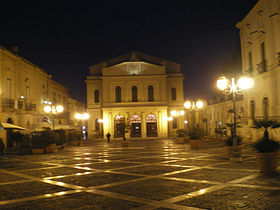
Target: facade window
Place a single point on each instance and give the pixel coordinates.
(118, 94)
(54, 98)
(150, 93)
(175, 123)
(263, 62)
(27, 92)
(59, 98)
(96, 96)
(252, 110)
(9, 88)
(265, 108)
(134, 94)
(173, 94)
(250, 70)
(263, 51)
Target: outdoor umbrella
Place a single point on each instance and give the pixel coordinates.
(10, 126)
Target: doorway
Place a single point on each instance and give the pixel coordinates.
(135, 128)
(118, 126)
(151, 122)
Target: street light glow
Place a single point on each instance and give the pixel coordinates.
(59, 108)
(170, 118)
(47, 109)
(173, 113)
(222, 83)
(78, 116)
(86, 116)
(187, 104)
(199, 104)
(245, 83)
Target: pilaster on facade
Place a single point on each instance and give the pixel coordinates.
(135, 90)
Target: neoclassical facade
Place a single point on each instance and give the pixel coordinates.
(260, 50)
(137, 89)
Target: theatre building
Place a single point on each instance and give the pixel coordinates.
(136, 89)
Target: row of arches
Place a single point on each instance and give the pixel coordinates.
(135, 126)
(134, 94)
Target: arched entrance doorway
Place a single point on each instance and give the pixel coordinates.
(151, 122)
(9, 133)
(118, 122)
(135, 126)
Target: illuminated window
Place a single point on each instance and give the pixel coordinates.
(118, 94)
(96, 96)
(134, 94)
(173, 93)
(150, 93)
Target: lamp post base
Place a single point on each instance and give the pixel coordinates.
(236, 154)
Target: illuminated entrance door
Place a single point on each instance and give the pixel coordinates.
(135, 128)
(151, 123)
(118, 125)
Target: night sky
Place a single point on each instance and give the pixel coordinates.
(65, 38)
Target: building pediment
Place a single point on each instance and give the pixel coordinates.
(133, 68)
(134, 57)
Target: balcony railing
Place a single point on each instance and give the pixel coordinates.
(8, 103)
(20, 105)
(30, 107)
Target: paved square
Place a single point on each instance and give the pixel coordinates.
(149, 174)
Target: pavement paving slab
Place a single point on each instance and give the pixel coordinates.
(149, 174)
(214, 175)
(95, 179)
(81, 200)
(157, 189)
(27, 189)
(235, 198)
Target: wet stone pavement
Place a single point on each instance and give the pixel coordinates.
(149, 174)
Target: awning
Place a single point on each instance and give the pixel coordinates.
(11, 126)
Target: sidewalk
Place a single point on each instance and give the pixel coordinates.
(156, 174)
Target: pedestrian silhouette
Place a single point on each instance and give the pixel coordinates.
(2, 147)
(108, 137)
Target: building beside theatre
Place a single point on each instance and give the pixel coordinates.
(260, 52)
(139, 90)
(24, 91)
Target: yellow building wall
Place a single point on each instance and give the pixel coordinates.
(142, 76)
(30, 87)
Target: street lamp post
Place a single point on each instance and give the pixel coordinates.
(53, 110)
(228, 88)
(81, 117)
(193, 106)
